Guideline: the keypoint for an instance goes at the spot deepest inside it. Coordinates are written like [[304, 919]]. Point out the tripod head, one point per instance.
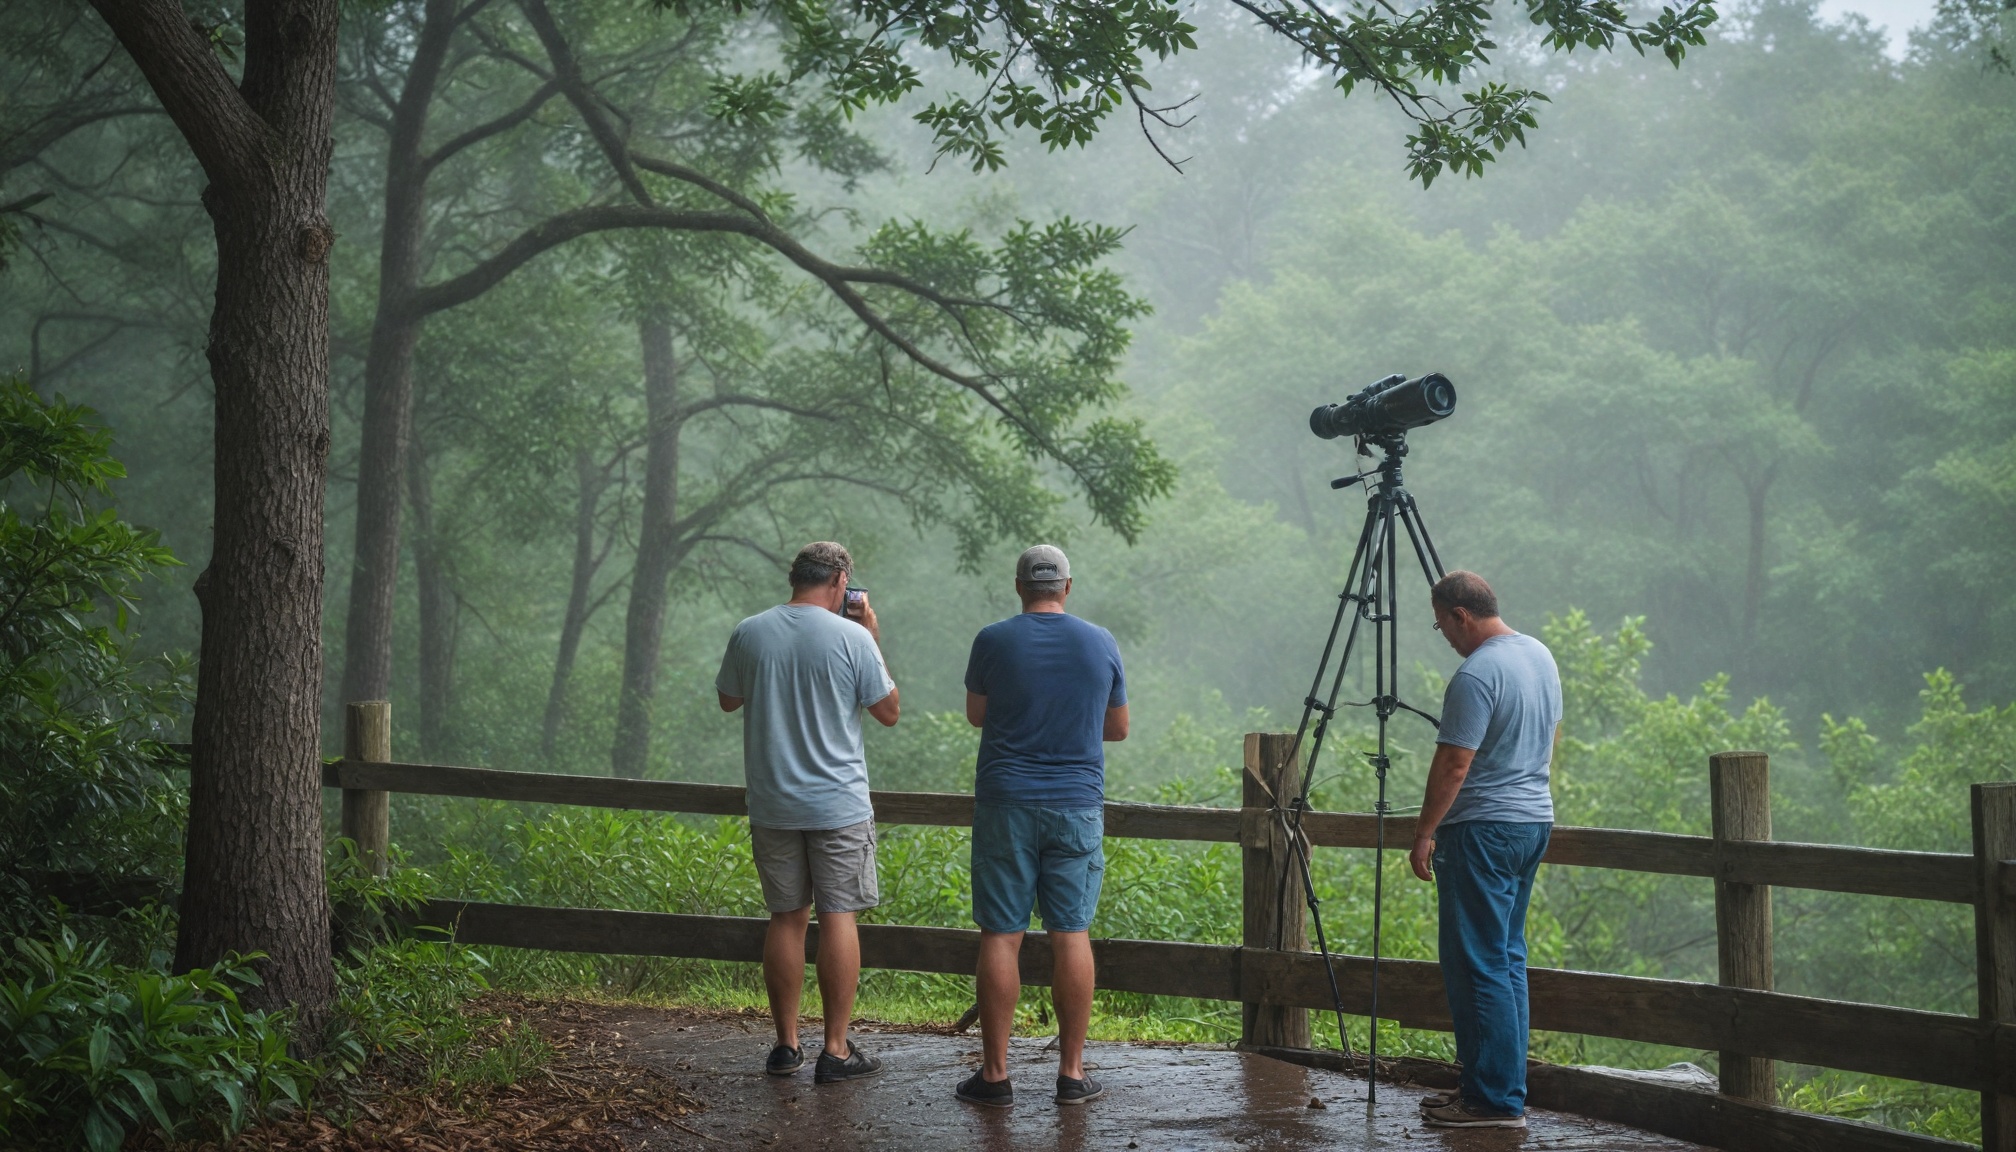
[[1394, 447]]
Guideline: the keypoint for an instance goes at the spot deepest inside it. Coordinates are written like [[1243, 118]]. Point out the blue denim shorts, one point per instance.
[[1025, 858]]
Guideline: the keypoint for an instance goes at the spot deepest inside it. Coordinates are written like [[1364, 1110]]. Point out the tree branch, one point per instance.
[[500, 125], [198, 95]]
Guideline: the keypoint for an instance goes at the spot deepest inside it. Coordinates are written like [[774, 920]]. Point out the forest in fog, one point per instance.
[[1734, 345]]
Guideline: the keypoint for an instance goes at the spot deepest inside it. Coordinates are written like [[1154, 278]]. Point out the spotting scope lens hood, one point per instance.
[[1391, 406]]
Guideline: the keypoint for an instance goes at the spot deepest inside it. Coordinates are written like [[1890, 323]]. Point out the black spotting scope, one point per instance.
[[1389, 407]]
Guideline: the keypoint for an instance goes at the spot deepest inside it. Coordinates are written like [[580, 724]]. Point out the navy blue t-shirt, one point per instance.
[[1049, 678]]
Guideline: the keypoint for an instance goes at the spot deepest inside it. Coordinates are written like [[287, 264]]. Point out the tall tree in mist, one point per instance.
[[253, 873]]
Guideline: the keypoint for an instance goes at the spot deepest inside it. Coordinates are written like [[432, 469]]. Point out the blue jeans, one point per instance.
[[1483, 880], [1025, 857]]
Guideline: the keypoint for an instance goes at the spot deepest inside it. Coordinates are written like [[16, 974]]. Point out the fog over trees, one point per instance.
[[606, 308]]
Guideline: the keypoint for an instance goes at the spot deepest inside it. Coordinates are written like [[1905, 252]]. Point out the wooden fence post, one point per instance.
[[1995, 942], [367, 813], [1265, 861], [1739, 785]]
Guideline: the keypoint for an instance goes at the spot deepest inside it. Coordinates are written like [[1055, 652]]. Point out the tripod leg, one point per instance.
[[1343, 606], [1424, 545], [1299, 845], [1364, 564]]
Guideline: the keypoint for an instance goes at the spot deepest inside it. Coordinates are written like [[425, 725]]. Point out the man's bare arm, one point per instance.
[[728, 703], [1445, 779], [1116, 724], [976, 709], [886, 709]]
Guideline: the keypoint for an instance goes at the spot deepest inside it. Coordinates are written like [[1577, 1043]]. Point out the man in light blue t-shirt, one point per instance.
[[1483, 828], [803, 673]]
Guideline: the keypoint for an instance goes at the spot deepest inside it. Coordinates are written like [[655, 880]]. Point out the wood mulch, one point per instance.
[[577, 1102]]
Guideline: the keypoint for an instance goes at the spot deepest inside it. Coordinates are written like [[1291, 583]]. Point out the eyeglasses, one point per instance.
[[1437, 625]]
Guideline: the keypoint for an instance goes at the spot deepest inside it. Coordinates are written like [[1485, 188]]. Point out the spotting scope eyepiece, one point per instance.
[[1391, 406]]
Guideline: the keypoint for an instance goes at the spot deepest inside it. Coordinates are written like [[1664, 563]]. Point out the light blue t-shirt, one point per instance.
[[1505, 702], [804, 674]]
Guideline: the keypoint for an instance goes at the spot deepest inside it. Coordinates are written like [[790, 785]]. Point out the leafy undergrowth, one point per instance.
[[94, 1048], [508, 1073]]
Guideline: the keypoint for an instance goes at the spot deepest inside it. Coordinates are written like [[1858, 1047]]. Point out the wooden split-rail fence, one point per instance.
[[1741, 1017]]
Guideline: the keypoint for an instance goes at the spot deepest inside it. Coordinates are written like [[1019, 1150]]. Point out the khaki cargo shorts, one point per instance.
[[832, 867]]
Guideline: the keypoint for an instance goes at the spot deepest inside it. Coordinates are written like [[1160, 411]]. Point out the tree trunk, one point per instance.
[[439, 609], [657, 551], [388, 372], [590, 481], [253, 860], [1758, 493]]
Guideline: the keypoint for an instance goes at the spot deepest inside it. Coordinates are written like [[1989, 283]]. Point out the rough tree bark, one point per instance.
[[659, 551], [591, 480], [253, 880], [440, 609]]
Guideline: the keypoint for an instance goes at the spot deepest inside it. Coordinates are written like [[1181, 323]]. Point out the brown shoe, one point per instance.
[[1459, 1115], [1440, 1099]]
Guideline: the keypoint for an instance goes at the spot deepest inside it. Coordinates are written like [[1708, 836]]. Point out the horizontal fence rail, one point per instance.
[[1947, 877], [1932, 1047]]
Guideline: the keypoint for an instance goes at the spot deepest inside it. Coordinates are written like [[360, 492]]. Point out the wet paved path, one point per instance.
[[1158, 1098]]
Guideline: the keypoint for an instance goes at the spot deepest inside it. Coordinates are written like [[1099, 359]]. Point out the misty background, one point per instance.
[[1732, 344]]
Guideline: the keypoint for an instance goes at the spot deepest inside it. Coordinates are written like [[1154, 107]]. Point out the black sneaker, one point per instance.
[[784, 1061], [976, 1089], [1071, 1091], [857, 1066]]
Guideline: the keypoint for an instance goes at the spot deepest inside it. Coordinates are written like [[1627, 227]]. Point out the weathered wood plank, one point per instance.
[[1172, 822], [1739, 789], [1271, 908], [1154, 967], [1993, 808], [1726, 1122], [539, 787], [1932, 1047], [1917, 875], [1947, 877], [367, 814], [1682, 1113]]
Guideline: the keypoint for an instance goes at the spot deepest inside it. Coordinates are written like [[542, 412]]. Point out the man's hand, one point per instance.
[[867, 619], [1423, 857]]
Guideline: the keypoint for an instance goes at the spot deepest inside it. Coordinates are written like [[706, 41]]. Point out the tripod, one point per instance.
[[1370, 595]]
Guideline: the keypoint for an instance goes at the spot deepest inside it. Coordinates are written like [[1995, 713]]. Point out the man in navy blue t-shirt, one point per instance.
[[1045, 689]]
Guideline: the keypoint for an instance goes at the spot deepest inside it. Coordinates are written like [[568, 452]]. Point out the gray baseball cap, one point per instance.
[[1043, 562]]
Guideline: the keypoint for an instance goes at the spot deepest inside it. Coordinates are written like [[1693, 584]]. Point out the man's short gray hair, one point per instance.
[[1042, 589], [1468, 591], [818, 562]]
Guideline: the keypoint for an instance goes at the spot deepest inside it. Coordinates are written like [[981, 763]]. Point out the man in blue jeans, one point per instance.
[[1045, 689], [1484, 826]]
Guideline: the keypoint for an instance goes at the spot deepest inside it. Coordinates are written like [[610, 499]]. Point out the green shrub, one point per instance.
[[86, 812], [91, 1050]]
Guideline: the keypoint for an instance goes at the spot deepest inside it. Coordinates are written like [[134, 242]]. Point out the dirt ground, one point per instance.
[[1158, 1097]]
